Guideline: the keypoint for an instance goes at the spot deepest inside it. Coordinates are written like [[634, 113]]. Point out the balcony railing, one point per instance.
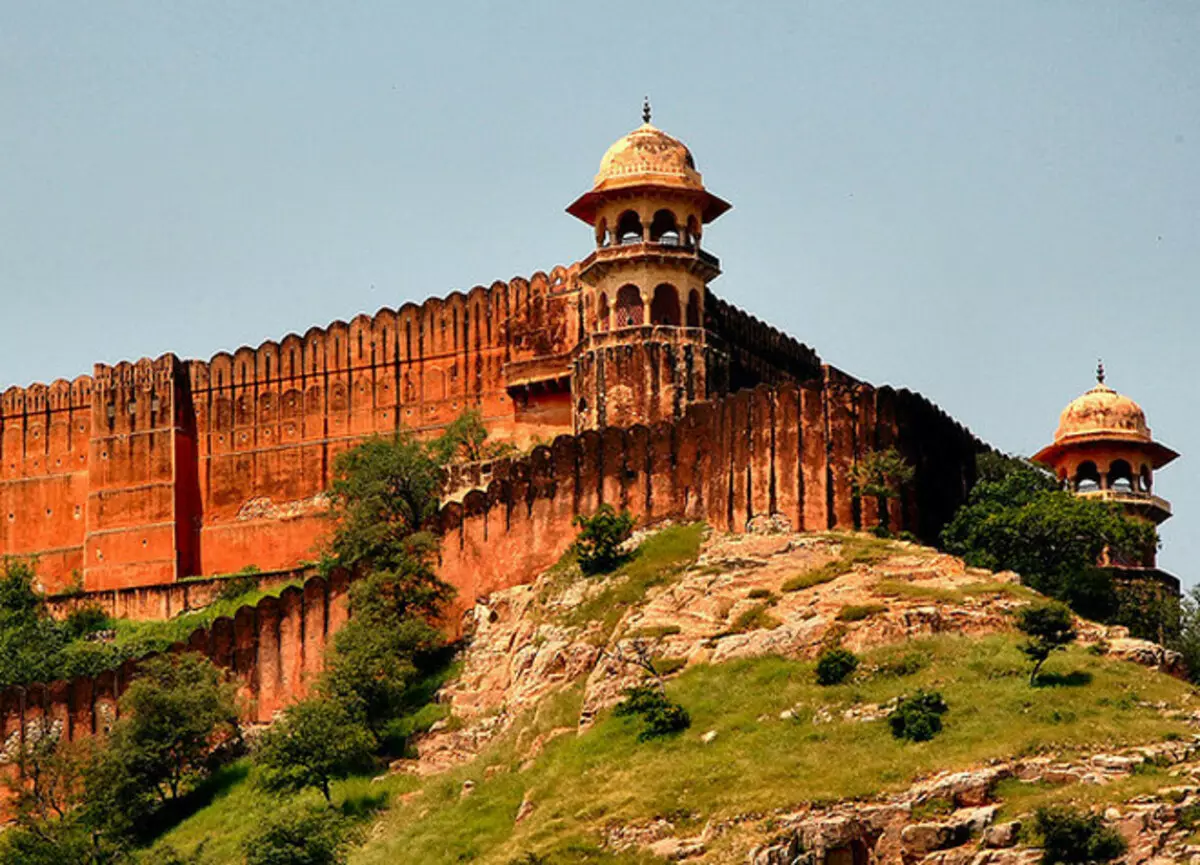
[[1132, 497]]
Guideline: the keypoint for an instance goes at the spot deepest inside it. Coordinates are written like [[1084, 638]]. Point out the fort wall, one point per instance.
[[144, 473], [777, 453]]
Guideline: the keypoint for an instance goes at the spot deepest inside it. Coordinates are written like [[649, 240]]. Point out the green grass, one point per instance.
[[858, 612], [754, 618], [901, 589], [855, 550], [140, 637], [581, 784], [659, 559]]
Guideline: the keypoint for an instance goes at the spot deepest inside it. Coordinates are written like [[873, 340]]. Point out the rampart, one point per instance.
[[784, 452], [145, 473]]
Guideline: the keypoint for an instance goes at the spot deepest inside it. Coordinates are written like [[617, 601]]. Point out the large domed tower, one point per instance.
[[643, 353], [1103, 449]]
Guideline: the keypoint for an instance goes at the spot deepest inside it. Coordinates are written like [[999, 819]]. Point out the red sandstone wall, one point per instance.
[[147, 472], [785, 451], [273, 650]]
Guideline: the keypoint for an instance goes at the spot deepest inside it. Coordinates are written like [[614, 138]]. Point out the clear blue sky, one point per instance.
[[973, 200]]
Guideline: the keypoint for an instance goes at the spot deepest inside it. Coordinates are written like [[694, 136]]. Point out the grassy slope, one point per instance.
[[581, 784], [757, 761]]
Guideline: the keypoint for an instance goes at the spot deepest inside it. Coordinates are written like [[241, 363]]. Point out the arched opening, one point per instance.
[[664, 229], [693, 309], [664, 307], [1087, 478], [629, 307], [693, 231], [602, 238], [1146, 480], [629, 228], [602, 322], [1120, 476]]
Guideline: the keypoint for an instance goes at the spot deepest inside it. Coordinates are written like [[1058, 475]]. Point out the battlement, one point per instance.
[[149, 471]]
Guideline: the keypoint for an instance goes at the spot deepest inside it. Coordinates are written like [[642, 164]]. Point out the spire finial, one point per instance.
[[1100, 371], [646, 109]]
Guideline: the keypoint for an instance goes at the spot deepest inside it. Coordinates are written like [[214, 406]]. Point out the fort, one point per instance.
[[622, 377], [146, 473]]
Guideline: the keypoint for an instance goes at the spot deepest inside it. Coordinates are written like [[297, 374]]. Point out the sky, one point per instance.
[[974, 200]]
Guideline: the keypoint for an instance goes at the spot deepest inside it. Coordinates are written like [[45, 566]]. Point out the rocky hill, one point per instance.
[[528, 765]]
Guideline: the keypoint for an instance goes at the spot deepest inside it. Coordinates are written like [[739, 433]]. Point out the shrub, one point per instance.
[[762, 594], [299, 836], [243, 582], [1050, 627], [754, 618], [660, 717], [598, 543], [918, 718], [835, 665], [1072, 838]]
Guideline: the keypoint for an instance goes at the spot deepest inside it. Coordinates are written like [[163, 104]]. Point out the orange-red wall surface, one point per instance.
[[144, 473]]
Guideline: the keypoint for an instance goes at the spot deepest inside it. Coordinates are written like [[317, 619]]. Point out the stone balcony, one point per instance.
[[1147, 504], [693, 259]]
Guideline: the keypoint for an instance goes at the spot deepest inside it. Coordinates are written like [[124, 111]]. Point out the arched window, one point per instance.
[[664, 307], [629, 307], [602, 313], [1087, 478], [602, 238], [664, 229], [629, 228], [1120, 476], [693, 309], [693, 231]]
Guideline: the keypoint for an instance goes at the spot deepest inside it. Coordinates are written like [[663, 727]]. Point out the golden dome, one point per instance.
[[647, 158], [1102, 413], [647, 155]]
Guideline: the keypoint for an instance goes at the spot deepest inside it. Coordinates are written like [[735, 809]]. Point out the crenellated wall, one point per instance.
[[147, 472]]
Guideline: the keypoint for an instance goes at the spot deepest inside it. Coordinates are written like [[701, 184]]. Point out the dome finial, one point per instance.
[[646, 109], [1100, 371]]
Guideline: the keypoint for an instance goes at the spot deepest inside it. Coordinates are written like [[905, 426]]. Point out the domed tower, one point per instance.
[[643, 353], [1103, 449]]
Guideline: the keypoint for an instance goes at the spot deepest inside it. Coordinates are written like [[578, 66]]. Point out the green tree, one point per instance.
[[1049, 627], [600, 537], [1017, 519], [466, 440], [315, 742], [882, 475], [384, 493], [175, 717], [299, 836], [1186, 639]]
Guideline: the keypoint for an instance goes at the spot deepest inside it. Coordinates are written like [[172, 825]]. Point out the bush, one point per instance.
[[835, 665], [1071, 838], [600, 537], [299, 836], [918, 718], [660, 717]]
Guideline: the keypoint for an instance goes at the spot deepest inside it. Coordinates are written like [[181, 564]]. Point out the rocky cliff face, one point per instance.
[[789, 595]]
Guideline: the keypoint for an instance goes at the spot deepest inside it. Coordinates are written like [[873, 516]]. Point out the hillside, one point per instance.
[[524, 761]]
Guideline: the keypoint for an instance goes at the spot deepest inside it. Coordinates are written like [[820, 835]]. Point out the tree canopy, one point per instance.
[[1017, 519]]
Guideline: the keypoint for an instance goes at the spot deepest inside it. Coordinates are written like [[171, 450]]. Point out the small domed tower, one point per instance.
[[1103, 449], [643, 353]]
